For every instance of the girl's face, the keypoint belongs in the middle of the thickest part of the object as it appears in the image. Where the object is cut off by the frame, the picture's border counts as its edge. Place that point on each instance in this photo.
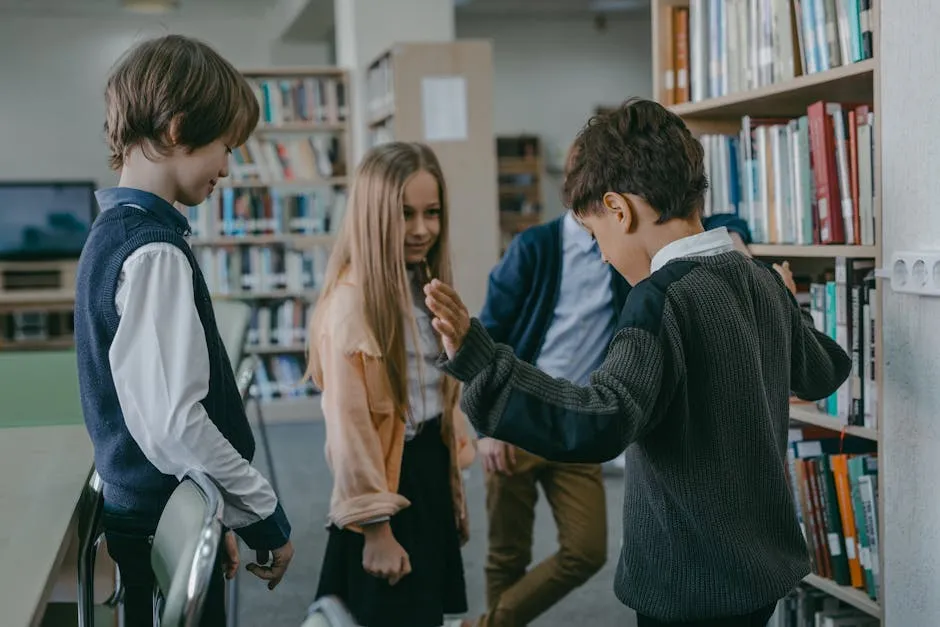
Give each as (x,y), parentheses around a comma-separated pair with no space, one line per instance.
(422,216)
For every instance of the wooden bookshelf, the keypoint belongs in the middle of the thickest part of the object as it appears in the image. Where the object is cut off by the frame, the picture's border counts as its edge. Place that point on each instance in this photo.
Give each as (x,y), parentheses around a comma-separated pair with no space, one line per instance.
(264,235)
(37,300)
(519,170)
(811,416)
(848,83)
(785,251)
(441,94)
(728,90)
(855,598)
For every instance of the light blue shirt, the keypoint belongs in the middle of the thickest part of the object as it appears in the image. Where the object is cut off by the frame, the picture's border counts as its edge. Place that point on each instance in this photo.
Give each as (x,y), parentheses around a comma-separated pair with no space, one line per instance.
(583,321)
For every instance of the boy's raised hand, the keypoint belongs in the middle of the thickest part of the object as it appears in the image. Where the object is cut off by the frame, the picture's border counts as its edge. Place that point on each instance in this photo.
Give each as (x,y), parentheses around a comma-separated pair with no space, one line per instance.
(451,318)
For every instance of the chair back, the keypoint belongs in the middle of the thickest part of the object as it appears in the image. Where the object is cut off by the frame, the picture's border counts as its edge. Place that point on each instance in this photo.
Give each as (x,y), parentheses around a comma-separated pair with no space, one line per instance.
(328,612)
(185,550)
(91,508)
(233,319)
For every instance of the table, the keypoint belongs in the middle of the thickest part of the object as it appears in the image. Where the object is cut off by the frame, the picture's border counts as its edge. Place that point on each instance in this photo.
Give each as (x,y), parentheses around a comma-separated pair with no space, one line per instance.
(43,470)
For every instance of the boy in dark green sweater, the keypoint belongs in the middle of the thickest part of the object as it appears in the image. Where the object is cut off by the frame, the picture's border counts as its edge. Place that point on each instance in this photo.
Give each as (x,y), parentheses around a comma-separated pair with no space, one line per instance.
(695,385)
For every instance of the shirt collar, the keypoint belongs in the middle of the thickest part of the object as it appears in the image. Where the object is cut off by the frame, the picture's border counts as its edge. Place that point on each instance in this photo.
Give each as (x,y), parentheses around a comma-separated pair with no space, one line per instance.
(708,243)
(112,197)
(576,233)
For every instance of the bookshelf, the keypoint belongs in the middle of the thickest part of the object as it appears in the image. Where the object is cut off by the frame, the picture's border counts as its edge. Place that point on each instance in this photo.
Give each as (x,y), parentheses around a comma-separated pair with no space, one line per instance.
(519,170)
(784,96)
(264,236)
(37,302)
(441,94)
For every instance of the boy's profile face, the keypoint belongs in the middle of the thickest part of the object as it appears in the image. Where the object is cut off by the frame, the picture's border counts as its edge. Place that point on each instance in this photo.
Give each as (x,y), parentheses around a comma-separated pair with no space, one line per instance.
(615,225)
(197,171)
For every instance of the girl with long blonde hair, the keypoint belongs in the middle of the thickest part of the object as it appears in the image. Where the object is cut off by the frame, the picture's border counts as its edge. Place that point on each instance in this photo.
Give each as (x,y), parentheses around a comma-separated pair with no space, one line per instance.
(395,439)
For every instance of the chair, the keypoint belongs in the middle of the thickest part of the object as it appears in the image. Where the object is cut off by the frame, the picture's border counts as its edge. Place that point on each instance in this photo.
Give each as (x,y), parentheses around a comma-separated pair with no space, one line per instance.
(233,319)
(185,551)
(90,535)
(328,612)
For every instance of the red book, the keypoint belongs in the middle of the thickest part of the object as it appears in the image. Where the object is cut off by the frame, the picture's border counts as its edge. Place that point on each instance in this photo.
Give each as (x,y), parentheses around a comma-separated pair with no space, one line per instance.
(825,174)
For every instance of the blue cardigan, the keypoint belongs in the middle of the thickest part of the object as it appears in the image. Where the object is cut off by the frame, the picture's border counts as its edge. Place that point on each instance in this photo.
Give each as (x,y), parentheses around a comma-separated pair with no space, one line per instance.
(523,290)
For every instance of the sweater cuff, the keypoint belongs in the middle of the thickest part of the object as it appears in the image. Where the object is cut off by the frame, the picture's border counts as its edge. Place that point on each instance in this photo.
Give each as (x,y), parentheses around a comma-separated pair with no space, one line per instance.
(474,355)
(265,535)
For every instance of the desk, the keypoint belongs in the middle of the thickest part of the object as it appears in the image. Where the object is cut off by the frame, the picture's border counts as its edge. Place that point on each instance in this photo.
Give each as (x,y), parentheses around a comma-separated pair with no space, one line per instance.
(42,473)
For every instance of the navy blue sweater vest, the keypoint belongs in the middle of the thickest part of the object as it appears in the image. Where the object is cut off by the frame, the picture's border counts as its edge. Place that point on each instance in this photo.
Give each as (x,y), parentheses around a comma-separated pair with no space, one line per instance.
(131,481)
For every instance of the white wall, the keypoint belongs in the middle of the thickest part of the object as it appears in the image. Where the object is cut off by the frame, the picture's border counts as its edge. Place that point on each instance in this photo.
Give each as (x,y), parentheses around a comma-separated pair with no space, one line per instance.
(550,74)
(53,72)
(910,465)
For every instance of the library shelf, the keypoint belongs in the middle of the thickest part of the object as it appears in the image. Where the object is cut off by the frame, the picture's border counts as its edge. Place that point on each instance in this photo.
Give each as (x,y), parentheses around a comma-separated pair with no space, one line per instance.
(312,183)
(273,295)
(276,349)
(847,83)
(301,127)
(847,594)
(808,415)
(293,72)
(817,251)
(294,240)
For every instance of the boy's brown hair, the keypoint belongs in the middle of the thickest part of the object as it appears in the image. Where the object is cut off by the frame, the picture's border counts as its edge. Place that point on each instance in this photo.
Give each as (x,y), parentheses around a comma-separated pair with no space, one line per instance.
(639,148)
(175,77)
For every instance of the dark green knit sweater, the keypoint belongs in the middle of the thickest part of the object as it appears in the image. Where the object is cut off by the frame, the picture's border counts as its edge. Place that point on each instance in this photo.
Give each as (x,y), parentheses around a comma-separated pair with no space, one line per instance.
(696,387)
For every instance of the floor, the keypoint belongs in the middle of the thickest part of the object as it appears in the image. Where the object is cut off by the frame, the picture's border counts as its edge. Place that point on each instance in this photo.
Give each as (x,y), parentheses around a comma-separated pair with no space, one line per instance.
(304,483)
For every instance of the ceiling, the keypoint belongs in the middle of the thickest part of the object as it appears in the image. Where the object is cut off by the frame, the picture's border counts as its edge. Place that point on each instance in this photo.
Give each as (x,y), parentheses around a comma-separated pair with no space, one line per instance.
(96,8)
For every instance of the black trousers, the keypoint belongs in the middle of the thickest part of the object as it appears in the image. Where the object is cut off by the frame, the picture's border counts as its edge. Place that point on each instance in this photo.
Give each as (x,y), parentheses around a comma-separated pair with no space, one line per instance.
(129,536)
(754,619)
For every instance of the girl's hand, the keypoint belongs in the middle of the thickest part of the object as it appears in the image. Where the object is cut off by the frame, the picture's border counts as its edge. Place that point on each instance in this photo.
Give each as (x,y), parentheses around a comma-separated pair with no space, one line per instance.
(784,271)
(382,556)
(452,320)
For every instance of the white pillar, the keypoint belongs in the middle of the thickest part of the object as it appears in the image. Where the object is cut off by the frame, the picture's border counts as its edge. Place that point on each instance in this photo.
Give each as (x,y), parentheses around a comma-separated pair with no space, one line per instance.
(366,28)
(909,464)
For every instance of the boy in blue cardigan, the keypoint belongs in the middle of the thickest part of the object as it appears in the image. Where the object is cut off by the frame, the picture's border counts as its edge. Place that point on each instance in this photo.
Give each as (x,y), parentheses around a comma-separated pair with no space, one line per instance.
(556,303)
(158,392)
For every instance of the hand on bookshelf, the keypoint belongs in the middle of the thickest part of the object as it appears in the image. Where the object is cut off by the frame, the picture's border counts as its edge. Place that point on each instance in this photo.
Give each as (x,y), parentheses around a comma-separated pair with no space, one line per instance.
(787,275)
(452,320)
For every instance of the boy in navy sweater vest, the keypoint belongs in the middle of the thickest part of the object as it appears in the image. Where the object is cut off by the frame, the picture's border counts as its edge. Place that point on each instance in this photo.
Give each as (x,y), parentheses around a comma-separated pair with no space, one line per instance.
(158,392)
(695,386)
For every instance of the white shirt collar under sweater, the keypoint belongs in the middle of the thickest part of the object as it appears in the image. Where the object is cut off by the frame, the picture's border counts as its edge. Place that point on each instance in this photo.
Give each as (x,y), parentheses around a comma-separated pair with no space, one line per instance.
(709,243)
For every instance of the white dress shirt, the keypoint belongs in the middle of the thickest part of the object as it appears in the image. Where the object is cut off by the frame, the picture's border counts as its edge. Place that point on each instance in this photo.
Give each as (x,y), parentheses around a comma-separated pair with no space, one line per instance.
(160,365)
(703,244)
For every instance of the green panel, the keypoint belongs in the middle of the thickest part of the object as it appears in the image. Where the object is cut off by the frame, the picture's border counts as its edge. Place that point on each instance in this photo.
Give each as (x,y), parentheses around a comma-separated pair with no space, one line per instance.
(39,388)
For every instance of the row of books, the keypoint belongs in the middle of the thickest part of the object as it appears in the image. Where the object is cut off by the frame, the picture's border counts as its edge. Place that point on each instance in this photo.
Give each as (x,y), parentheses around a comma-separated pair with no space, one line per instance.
(808,607)
(805,180)
(835,487)
(281,376)
(721,47)
(845,309)
(244,270)
(283,324)
(235,212)
(303,158)
(380,89)
(317,100)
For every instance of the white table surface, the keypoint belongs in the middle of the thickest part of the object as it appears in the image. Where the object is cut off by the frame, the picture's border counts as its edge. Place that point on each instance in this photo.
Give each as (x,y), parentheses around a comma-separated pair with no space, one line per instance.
(42,473)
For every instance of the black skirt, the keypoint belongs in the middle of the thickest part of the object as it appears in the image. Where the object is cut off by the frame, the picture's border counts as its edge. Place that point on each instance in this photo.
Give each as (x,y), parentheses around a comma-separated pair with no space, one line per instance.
(428,532)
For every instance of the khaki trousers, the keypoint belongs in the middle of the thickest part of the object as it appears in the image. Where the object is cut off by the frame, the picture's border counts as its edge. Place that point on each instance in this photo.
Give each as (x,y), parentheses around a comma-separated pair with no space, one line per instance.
(576,495)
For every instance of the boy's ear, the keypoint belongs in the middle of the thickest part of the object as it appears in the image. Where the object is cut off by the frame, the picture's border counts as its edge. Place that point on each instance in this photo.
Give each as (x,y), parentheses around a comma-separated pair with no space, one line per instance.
(622,210)
(175,130)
